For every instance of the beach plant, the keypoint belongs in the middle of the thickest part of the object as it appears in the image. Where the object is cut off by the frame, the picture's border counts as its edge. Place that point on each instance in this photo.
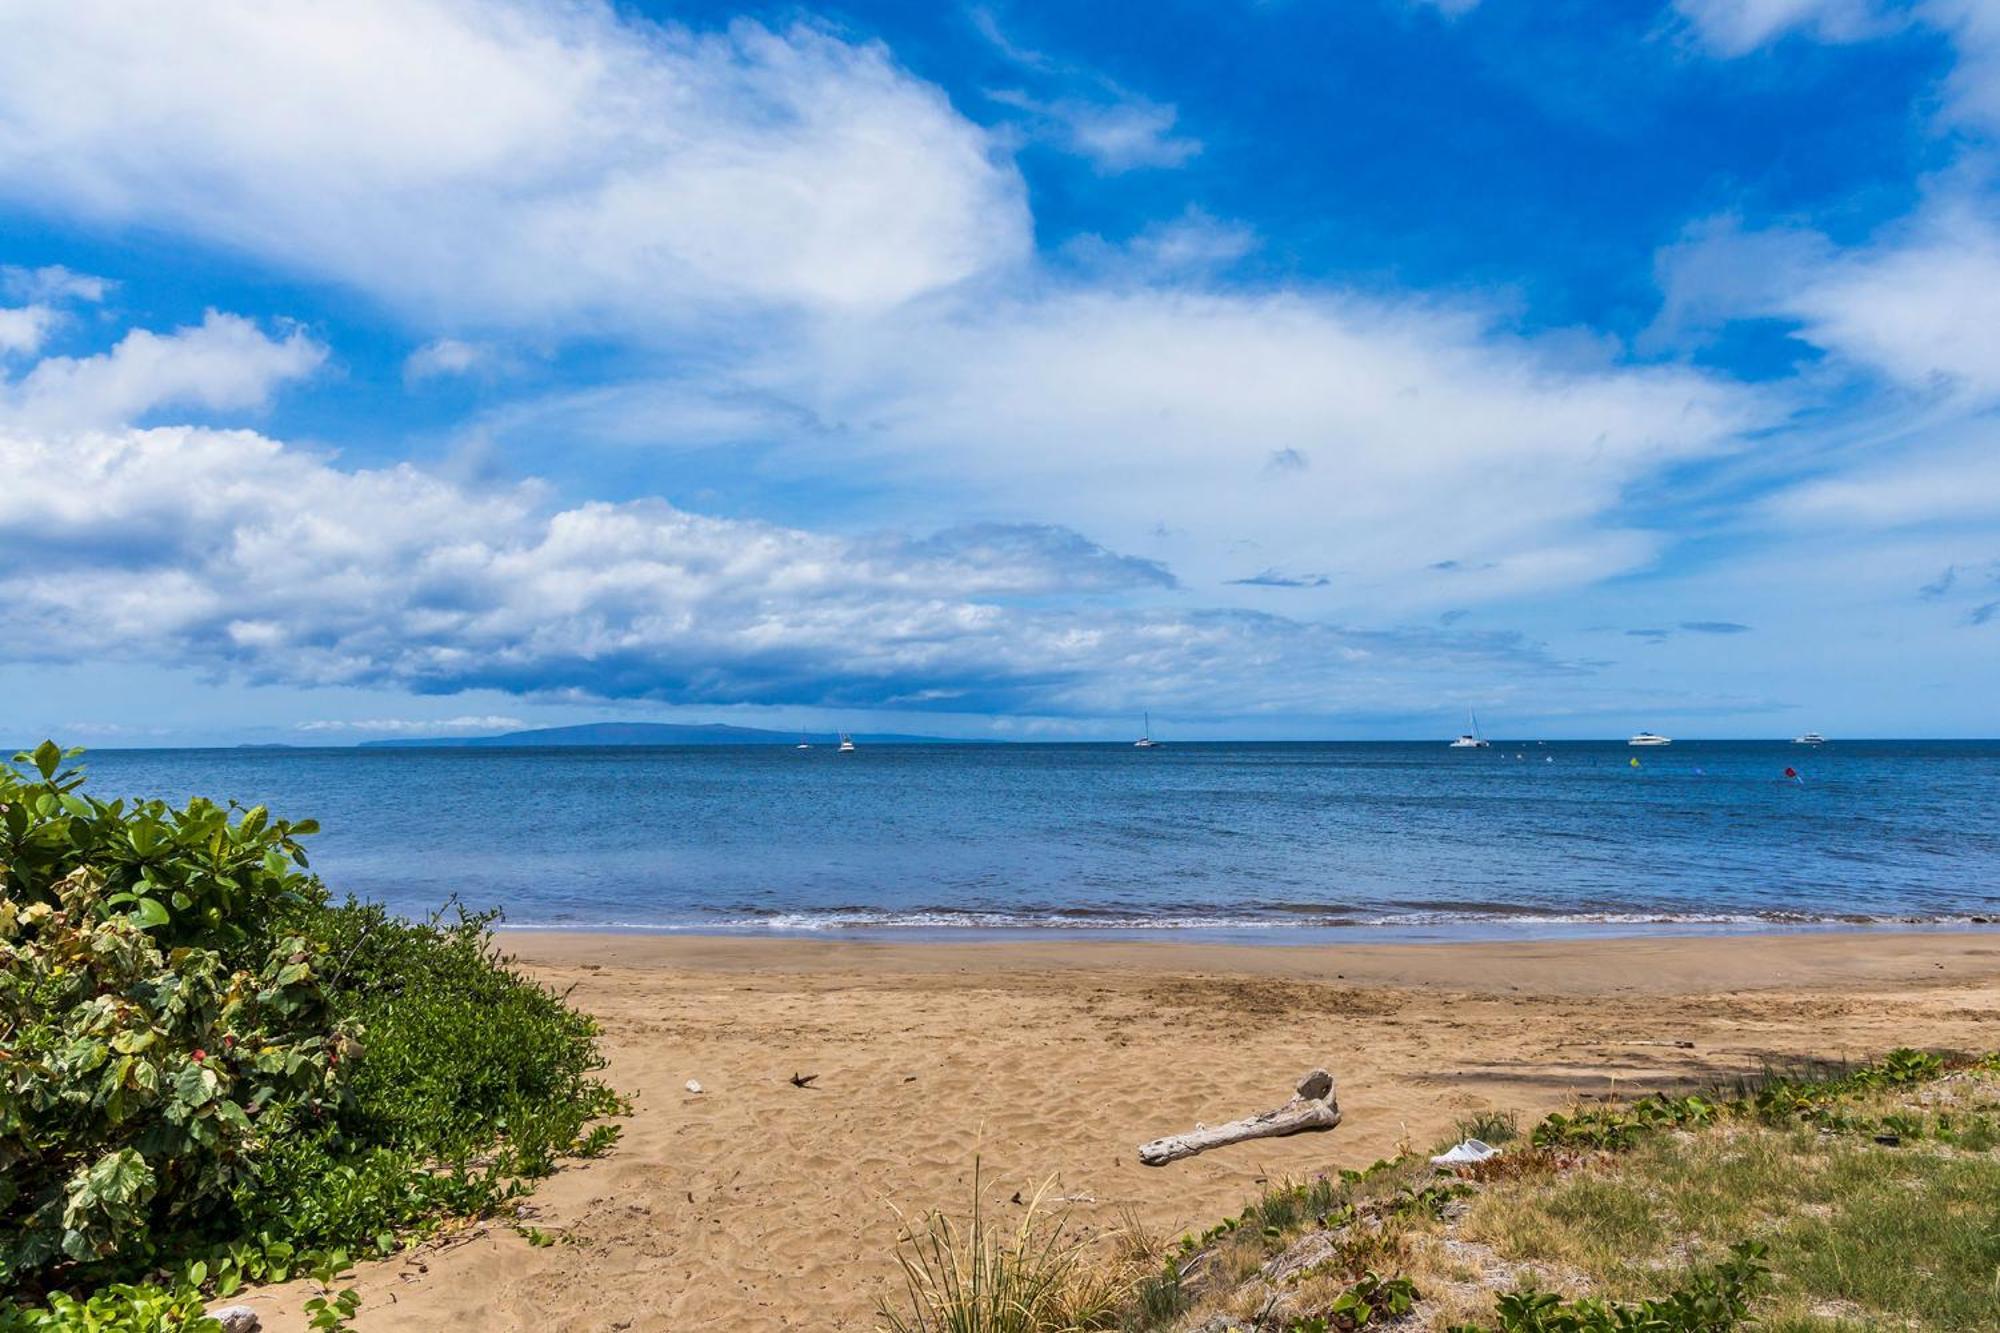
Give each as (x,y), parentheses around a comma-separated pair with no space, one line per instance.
(211,1070)
(117,1308)
(137,1086)
(1715,1300)
(975,1277)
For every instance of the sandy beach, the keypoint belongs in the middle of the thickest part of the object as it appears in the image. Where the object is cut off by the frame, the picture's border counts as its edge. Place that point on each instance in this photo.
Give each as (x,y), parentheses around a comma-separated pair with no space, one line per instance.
(759,1205)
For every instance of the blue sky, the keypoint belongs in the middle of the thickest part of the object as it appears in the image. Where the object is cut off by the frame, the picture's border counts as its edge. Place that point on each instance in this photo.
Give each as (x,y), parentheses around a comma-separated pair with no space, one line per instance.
(1284,368)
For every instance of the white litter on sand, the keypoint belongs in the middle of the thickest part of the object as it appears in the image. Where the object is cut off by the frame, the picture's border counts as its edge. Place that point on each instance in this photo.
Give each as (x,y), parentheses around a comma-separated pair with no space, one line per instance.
(1465,1154)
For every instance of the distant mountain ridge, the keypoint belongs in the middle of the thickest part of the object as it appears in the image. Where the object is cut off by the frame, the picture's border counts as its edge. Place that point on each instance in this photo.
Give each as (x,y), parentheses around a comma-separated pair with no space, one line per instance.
(651,733)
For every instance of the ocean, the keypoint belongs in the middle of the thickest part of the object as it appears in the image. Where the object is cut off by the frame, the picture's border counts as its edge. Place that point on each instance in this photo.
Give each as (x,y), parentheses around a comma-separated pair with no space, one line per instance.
(1268,842)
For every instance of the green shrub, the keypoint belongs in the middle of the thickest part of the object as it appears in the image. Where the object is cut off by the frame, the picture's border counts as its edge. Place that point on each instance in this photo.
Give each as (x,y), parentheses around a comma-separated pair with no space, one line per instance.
(137,1087)
(461,1049)
(205,1066)
(189,877)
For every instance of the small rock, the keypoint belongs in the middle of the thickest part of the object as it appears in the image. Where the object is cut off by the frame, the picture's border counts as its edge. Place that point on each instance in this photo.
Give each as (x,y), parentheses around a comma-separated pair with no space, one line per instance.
(236,1319)
(694,1087)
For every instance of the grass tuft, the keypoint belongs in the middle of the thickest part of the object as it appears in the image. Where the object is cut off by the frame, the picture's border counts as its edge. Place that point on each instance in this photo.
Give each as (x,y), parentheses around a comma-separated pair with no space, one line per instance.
(1035,1277)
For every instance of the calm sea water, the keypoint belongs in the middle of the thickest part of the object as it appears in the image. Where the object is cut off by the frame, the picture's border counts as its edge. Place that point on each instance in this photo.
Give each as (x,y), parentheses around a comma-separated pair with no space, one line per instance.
(1268,841)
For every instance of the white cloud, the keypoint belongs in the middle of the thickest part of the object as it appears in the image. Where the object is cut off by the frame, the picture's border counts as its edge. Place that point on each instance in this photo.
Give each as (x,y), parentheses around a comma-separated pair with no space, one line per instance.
(225,363)
(1737,27)
(1088,114)
(1194,243)
(1119,133)
(509,161)
(226,551)
(445,357)
(1941,482)
(51,284)
(1924,308)
(1921,305)
(1431,434)
(23,328)
(415,725)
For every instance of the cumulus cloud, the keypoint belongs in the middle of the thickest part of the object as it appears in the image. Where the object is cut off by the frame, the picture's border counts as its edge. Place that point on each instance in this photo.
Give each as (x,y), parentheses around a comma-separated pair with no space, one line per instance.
(509,161)
(24,329)
(228,551)
(224,363)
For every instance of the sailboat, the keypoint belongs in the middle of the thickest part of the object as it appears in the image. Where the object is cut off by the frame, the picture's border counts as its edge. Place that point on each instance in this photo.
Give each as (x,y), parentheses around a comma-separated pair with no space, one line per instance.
(1472,740)
(846,743)
(803,744)
(1146,741)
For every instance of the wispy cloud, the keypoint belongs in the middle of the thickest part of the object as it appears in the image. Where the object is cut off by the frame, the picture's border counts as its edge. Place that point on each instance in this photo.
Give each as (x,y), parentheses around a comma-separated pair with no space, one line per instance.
(51,284)
(414,725)
(1117,134)
(444,358)
(1714,627)
(1084,113)
(1271,578)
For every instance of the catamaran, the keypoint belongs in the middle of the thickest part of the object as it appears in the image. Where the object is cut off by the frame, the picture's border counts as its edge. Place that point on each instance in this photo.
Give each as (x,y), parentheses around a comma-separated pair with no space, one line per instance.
(1146,741)
(1472,740)
(1650,738)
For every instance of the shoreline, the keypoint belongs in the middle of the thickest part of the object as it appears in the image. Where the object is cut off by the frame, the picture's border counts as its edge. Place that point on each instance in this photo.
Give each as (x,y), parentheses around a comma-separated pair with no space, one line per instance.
(757,1204)
(1585,965)
(1283,935)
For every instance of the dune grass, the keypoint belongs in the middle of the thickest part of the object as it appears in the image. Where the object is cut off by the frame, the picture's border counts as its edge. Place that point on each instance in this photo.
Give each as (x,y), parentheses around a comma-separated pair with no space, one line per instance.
(1035,1276)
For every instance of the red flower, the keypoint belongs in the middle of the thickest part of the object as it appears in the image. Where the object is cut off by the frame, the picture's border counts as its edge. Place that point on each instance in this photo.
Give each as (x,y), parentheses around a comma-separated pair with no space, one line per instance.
(199,1055)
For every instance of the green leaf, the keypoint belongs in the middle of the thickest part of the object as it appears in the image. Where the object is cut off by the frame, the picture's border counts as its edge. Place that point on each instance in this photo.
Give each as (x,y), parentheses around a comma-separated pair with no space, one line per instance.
(149,914)
(47,758)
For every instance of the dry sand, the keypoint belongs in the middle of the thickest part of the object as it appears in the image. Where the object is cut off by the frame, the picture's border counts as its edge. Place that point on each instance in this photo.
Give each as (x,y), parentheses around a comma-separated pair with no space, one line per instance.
(758,1205)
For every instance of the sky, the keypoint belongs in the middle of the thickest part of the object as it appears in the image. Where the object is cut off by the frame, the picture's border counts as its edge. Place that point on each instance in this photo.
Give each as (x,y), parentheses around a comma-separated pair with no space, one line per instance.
(1283,368)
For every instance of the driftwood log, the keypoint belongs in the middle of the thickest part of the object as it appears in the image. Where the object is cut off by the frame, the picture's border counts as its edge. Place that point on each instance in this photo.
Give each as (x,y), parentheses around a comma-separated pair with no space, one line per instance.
(1313,1108)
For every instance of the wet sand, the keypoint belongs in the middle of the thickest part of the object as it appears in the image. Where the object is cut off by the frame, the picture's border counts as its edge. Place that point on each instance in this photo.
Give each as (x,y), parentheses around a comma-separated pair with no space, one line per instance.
(758,1205)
